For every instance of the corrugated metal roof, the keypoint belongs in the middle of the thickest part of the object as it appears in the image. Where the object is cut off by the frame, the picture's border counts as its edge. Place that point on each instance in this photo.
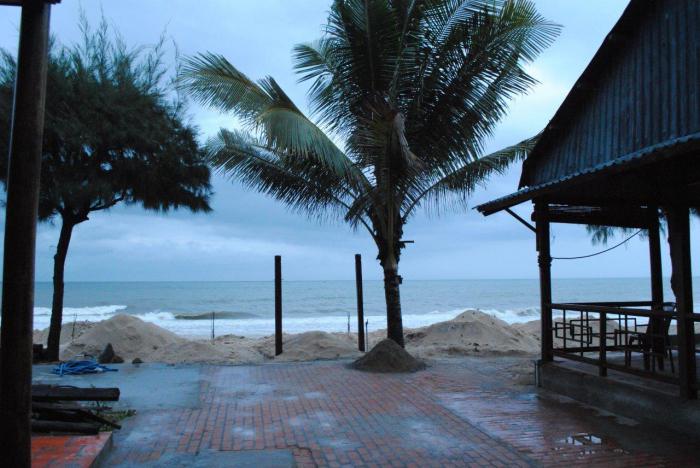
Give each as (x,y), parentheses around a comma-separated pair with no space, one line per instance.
(640,93)
(647,155)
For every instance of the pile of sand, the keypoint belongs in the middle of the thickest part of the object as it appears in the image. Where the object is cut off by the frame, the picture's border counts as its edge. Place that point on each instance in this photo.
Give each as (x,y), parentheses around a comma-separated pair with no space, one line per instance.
(471,332)
(309,346)
(239,349)
(132,338)
(387,356)
(69,331)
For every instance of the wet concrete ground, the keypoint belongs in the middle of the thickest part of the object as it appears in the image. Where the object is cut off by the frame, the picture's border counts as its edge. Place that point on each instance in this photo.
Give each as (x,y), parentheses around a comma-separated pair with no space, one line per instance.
(458,412)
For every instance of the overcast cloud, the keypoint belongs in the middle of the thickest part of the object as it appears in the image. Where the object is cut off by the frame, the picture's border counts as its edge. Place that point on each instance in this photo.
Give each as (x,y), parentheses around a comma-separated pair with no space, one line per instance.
(238,240)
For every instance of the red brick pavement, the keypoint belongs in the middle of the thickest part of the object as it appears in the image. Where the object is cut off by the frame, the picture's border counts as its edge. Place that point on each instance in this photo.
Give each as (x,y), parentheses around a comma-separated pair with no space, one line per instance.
(456,413)
(68,451)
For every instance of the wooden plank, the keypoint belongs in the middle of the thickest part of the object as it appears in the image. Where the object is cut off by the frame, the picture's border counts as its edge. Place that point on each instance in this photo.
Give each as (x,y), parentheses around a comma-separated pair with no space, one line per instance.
(68,412)
(632,217)
(55,393)
(65,426)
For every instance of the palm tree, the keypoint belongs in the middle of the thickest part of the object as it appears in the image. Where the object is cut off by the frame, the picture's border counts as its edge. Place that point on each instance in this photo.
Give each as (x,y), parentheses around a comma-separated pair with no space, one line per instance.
(412,89)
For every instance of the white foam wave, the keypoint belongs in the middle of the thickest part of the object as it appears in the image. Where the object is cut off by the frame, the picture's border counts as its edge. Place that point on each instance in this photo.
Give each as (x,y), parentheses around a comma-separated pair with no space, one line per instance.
(333,323)
(42,315)
(255,327)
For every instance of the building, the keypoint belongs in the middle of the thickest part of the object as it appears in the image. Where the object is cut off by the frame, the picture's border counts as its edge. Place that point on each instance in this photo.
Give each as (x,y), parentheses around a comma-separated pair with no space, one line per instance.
(623,150)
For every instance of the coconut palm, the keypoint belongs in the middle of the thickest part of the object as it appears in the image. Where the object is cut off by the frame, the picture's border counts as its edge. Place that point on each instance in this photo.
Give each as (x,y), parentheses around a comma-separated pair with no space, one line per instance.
(412,89)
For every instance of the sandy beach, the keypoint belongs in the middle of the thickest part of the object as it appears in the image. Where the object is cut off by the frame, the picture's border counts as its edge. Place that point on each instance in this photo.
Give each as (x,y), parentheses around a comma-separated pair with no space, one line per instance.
(471,333)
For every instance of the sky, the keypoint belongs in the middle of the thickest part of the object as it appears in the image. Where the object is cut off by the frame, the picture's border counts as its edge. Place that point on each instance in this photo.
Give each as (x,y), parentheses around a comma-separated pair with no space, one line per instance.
(238,240)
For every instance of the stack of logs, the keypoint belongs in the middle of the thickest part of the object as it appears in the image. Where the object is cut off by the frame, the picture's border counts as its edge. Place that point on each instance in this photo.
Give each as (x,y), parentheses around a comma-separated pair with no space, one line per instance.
(58,409)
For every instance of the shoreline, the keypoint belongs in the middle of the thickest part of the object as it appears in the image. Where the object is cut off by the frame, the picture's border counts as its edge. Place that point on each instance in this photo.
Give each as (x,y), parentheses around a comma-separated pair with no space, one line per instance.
(471,333)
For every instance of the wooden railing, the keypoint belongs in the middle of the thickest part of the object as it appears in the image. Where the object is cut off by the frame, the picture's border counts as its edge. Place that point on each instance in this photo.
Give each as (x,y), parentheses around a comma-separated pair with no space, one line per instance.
(614,335)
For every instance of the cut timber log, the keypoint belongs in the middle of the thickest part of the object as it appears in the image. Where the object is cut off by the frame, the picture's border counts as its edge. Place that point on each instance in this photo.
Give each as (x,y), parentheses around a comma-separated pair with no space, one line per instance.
(56,393)
(62,426)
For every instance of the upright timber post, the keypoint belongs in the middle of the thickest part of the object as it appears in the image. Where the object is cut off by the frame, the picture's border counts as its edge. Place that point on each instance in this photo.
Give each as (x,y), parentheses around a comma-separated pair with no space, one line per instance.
(360,304)
(278,305)
(681,282)
(657,287)
(544,259)
(26,139)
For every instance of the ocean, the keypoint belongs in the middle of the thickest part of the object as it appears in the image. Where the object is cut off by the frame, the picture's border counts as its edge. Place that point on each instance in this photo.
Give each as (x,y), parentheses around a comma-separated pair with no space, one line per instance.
(247,308)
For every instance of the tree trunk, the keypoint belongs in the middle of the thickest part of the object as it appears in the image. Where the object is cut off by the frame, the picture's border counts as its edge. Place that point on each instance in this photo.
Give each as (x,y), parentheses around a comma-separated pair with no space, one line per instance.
(59,263)
(394,322)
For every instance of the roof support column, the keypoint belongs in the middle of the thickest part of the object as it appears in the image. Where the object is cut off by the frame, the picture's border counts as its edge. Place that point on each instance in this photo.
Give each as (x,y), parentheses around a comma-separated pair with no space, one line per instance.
(544,259)
(657,288)
(20,233)
(681,282)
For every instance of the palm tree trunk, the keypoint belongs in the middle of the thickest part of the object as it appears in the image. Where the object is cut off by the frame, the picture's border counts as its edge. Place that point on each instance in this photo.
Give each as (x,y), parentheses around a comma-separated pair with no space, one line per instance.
(394,322)
(59,263)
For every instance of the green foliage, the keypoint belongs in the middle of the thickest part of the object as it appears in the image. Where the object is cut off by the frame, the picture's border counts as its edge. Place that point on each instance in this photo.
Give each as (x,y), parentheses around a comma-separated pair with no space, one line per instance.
(413,89)
(111,132)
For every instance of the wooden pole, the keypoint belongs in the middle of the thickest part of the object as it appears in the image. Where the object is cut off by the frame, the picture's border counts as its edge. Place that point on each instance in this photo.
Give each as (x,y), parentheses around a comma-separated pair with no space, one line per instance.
(544,259)
(360,304)
(657,287)
(278,305)
(681,282)
(657,282)
(26,139)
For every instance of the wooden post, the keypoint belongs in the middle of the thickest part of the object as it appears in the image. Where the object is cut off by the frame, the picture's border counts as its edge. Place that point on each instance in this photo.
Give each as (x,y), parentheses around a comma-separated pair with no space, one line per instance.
(360,304)
(603,351)
(657,287)
(26,139)
(278,305)
(681,282)
(544,259)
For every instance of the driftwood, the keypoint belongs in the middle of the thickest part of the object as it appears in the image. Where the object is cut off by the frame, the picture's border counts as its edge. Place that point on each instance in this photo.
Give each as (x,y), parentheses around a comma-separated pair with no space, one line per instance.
(55,409)
(58,393)
(65,426)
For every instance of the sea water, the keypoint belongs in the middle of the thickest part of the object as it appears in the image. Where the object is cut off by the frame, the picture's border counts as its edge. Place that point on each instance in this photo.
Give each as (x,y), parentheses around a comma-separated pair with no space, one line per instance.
(247,308)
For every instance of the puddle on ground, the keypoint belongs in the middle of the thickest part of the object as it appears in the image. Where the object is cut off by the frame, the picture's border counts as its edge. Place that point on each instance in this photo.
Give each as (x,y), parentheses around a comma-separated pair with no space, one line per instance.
(582,438)
(586,441)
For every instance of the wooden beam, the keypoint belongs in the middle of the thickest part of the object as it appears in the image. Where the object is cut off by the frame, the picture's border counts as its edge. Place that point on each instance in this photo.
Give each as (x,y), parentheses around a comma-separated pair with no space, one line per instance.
(21,2)
(360,304)
(66,427)
(544,259)
(681,281)
(26,138)
(54,393)
(630,216)
(278,305)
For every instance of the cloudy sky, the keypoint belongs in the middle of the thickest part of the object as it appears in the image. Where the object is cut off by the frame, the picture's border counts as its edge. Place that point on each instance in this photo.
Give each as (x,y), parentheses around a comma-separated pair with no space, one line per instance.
(238,240)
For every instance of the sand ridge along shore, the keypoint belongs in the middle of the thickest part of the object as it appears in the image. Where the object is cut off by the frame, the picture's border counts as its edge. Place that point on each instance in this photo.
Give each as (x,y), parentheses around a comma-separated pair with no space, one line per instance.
(470,333)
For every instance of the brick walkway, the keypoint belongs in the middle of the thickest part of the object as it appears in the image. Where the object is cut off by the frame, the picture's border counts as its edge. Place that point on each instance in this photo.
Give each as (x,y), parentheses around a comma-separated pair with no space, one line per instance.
(69,451)
(464,412)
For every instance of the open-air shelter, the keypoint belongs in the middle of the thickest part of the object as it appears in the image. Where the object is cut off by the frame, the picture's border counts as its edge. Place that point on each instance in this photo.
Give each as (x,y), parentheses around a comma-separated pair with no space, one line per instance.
(623,150)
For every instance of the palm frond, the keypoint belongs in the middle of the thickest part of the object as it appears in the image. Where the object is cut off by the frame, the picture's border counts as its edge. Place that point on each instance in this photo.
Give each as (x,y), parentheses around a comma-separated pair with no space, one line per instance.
(265,108)
(461,182)
(303,186)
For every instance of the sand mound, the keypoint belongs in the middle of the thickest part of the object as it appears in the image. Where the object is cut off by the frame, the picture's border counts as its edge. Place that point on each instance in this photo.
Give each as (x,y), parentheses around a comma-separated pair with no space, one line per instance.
(131,337)
(471,332)
(387,356)
(310,346)
(69,331)
(239,349)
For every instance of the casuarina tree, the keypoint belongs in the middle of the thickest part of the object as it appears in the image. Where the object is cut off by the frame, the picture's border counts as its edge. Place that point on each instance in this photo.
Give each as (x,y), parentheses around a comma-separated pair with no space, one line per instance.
(114,133)
(403,97)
